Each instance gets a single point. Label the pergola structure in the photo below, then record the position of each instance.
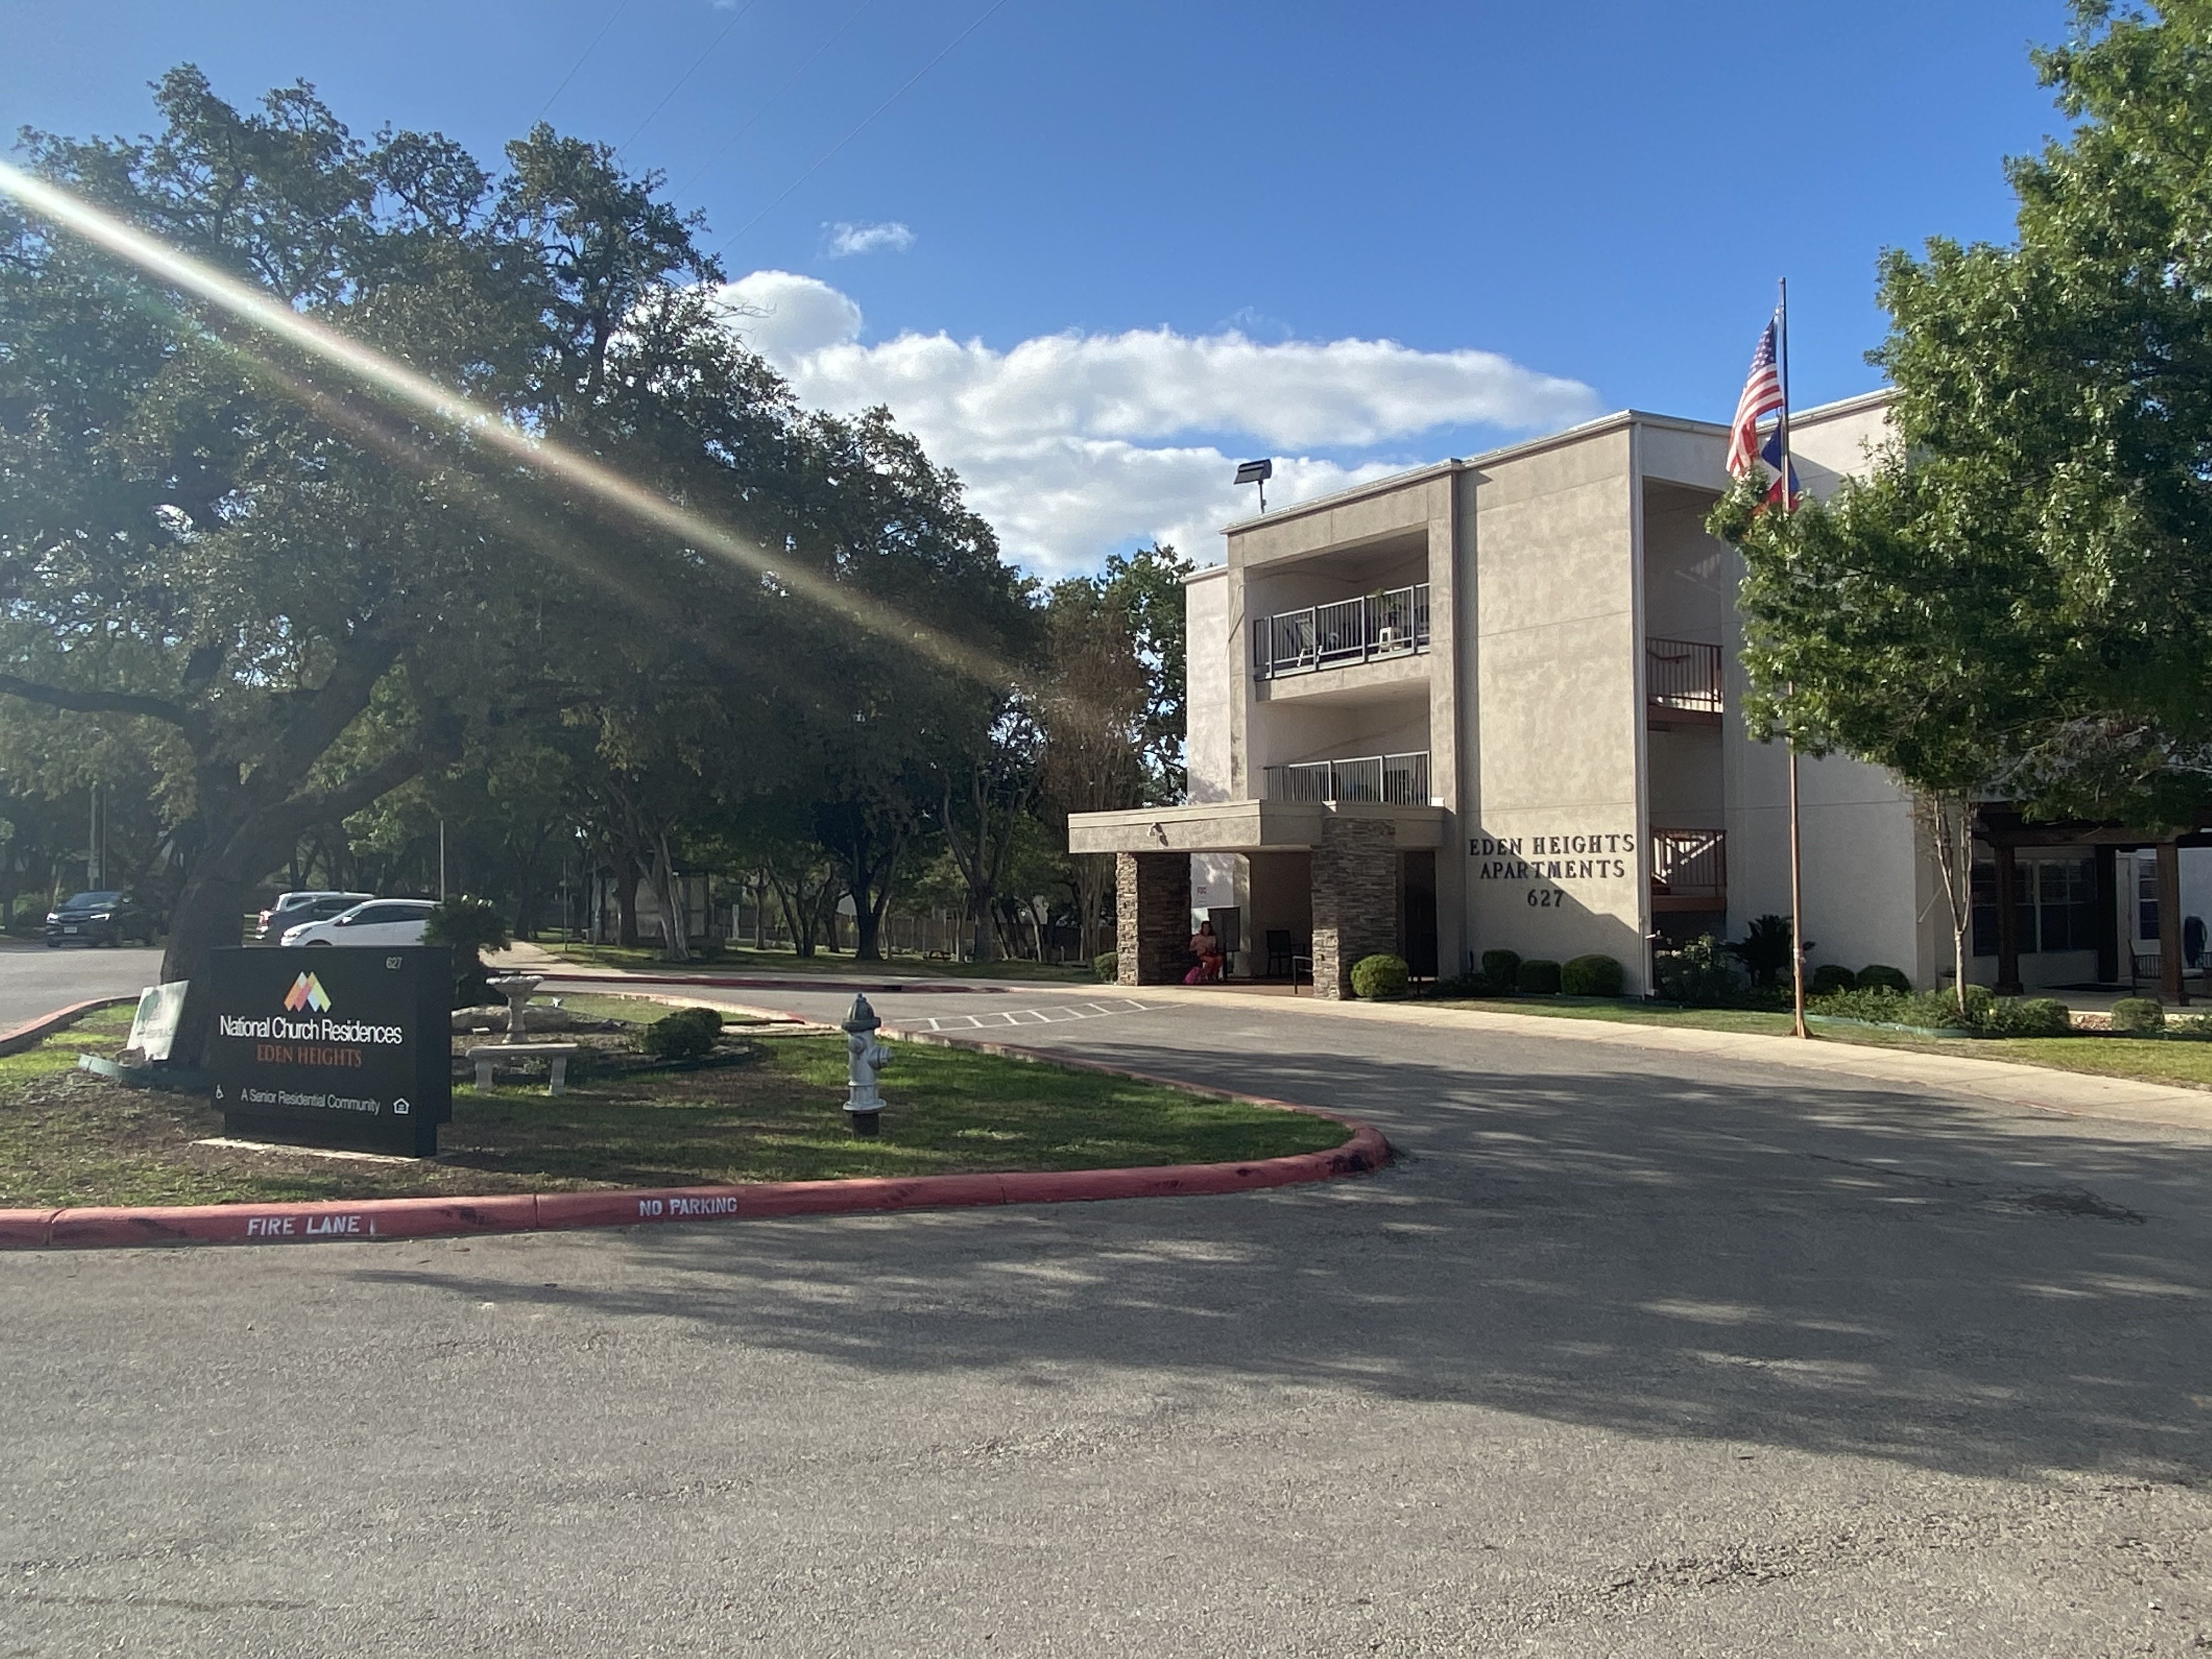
(2006, 832)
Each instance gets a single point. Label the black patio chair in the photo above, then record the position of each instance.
(1279, 949)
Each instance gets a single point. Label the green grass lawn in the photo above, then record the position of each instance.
(2183, 1063)
(69, 1138)
(744, 960)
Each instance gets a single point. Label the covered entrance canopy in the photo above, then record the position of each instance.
(1354, 848)
(2008, 834)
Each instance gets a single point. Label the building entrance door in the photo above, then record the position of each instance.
(1416, 912)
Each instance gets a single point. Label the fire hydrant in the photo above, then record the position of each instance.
(865, 1057)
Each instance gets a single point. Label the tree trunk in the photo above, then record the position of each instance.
(625, 881)
(206, 919)
(760, 911)
(1094, 879)
(668, 899)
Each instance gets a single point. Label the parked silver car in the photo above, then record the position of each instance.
(309, 904)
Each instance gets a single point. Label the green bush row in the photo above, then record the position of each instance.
(1505, 974)
(1984, 1011)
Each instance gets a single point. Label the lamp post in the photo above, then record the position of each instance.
(1257, 472)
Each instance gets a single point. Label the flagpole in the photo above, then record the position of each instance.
(1796, 859)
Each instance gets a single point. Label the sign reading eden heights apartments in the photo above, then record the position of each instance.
(347, 1048)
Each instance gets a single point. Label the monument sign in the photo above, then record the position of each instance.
(348, 1048)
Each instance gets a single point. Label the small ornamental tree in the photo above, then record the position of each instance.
(468, 926)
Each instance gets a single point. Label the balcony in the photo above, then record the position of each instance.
(1388, 780)
(1682, 683)
(1392, 623)
(1689, 869)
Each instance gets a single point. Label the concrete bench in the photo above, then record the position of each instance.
(487, 1054)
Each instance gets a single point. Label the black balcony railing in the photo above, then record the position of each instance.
(1689, 868)
(1387, 625)
(1683, 677)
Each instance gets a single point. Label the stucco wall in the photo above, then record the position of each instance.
(1555, 706)
(1214, 666)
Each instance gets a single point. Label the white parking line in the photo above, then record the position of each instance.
(998, 1017)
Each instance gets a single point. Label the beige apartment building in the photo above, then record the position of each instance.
(1497, 702)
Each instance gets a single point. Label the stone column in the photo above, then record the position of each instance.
(1151, 917)
(1355, 898)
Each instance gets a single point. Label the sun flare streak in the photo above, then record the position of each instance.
(484, 424)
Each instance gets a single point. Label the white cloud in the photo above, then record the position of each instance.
(1074, 444)
(846, 238)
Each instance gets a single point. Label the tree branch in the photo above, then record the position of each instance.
(98, 702)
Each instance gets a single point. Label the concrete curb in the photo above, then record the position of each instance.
(573, 972)
(14, 1041)
(1366, 1151)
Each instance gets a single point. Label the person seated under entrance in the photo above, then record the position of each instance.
(1205, 948)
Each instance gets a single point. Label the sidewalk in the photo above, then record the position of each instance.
(522, 956)
(2069, 1094)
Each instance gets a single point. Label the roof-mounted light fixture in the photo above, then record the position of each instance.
(1257, 472)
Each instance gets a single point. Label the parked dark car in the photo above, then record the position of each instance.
(105, 918)
(291, 910)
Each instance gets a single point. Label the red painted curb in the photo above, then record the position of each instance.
(295, 1224)
(26, 1230)
(46, 1025)
(425, 1218)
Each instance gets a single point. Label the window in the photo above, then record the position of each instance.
(2066, 903)
(2146, 900)
(2054, 906)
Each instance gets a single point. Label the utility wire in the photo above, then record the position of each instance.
(774, 98)
(621, 7)
(686, 75)
(824, 158)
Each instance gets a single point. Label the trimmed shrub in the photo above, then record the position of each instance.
(1107, 964)
(1829, 978)
(2137, 1016)
(1538, 978)
(1701, 975)
(2041, 1017)
(1879, 975)
(1593, 976)
(1377, 978)
(1502, 969)
(687, 1033)
(1979, 1000)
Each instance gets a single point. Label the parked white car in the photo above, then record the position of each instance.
(296, 909)
(379, 921)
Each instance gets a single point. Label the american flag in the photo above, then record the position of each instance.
(1762, 396)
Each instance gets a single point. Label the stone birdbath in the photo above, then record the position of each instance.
(516, 988)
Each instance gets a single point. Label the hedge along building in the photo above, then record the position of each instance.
(1497, 702)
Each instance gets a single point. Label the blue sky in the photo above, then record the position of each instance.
(1431, 228)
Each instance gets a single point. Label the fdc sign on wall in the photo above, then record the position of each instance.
(349, 1047)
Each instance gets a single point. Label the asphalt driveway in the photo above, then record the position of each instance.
(1631, 1353)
